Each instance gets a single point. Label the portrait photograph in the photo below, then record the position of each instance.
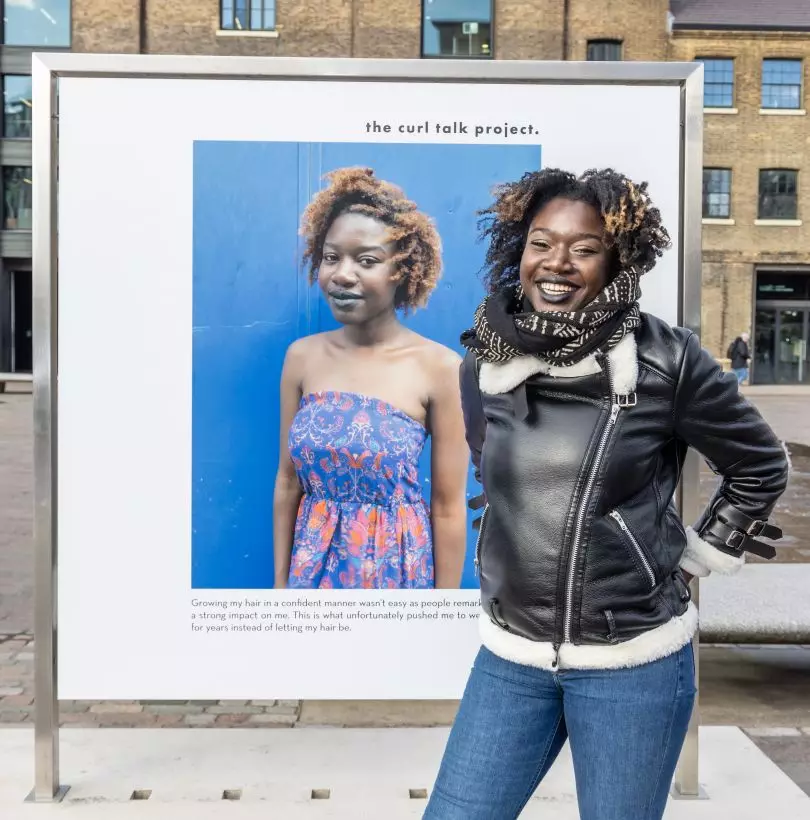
(321, 462)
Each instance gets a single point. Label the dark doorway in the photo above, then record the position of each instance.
(782, 328)
(21, 322)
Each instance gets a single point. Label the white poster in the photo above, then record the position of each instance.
(183, 284)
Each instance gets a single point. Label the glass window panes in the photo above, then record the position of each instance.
(781, 83)
(457, 29)
(248, 15)
(17, 106)
(778, 194)
(36, 23)
(718, 82)
(604, 50)
(716, 193)
(16, 198)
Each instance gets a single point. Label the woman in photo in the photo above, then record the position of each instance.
(359, 403)
(579, 410)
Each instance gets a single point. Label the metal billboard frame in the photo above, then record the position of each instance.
(48, 68)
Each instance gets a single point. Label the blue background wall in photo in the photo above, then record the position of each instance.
(251, 300)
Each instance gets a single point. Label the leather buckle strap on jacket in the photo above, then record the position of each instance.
(626, 400)
(738, 531)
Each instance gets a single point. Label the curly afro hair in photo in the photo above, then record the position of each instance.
(633, 229)
(358, 191)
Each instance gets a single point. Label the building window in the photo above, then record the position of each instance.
(248, 15)
(718, 82)
(716, 193)
(453, 29)
(605, 50)
(778, 194)
(36, 23)
(781, 83)
(17, 106)
(16, 198)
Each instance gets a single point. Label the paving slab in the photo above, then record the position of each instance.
(364, 714)
(368, 774)
(791, 754)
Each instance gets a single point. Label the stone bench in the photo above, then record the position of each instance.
(14, 377)
(763, 603)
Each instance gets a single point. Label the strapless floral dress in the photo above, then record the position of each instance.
(362, 522)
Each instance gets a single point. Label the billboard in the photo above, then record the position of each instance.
(182, 287)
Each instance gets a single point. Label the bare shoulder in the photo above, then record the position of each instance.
(439, 361)
(301, 355)
(306, 347)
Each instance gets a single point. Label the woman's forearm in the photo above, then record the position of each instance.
(449, 545)
(286, 499)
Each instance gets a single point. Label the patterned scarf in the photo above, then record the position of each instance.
(506, 326)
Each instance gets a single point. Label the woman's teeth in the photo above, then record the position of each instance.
(549, 287)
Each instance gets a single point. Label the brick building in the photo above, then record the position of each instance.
(756, 238)
(756, 268)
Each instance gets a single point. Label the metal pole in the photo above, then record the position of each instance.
(686, 785)
(46, 729)
(687, 777)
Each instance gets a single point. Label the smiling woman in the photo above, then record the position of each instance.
(579, 410)
(358, 405)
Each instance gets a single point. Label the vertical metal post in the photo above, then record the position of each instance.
(46, 728)
(687, 777)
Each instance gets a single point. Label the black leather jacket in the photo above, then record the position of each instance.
(580, 540)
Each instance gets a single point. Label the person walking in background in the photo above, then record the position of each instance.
(740, 355)
(579, 410)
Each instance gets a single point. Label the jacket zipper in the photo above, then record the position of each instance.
(494, 605)
(615, 408)
(611, 622)
(477, 560)
(580, 519)
(616, 516)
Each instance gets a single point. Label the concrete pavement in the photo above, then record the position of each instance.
(16, 507)
(353, 774)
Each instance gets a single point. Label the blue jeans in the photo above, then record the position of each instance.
(626, 728)
(741, 373)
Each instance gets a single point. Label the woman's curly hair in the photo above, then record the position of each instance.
(633, 228)
(418, 246)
